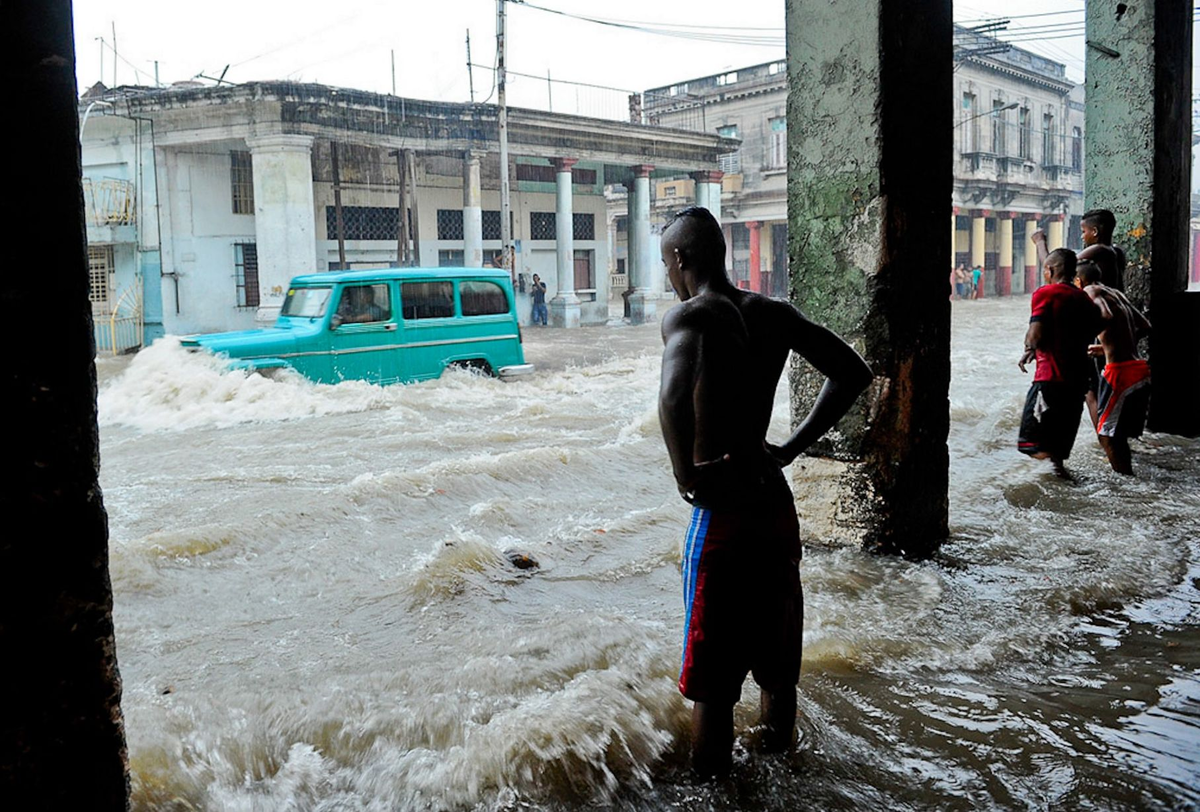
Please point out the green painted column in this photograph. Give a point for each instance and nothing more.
(869, 158)
(1138, 165)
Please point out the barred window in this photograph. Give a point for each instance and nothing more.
(584, 226)
(100, 269)
(241, 180)
(541, 225)
(491, 224)
(449, 224)
(245, 266)
(482, 298)
(427, 300)
(450, 259)
(778, 149)
(364, 222)
(730, 163)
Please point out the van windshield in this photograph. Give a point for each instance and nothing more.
(306, 303)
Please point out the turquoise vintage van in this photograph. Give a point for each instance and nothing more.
(394, 325)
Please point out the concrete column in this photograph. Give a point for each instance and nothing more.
(755, 256)
(712, 179)
(1004, 269)
(63, 733)
(1138, 155)
(1055, 236)
(978, 237)
(979, 247)
(283, 216)
(701, 191)
(871, 265)
(954, 237)
(564, 307)
(1033, 273)
(472, 210)
(642, 301)
(708, 190)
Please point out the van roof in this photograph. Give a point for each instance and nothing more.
(334, 277)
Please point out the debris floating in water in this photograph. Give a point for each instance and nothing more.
(521, 561)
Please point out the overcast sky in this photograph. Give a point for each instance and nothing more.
(349, 43)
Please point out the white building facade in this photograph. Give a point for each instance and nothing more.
(243, 185)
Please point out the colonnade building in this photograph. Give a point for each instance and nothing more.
(1018, 162)
(203, 202)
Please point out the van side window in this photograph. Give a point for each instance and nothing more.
(427, 300)
(482, 298)
(364, 304)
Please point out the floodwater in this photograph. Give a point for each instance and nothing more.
(315, 610)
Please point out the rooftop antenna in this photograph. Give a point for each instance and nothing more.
(114, 50)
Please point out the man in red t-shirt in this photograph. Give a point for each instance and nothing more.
(1061, 326)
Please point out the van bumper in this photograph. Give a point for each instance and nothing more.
(515, 371)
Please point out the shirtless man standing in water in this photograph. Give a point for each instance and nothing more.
(725, 349)
(1124, 390)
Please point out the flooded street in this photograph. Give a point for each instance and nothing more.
(315, 610)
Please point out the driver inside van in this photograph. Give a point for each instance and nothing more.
(358, 306)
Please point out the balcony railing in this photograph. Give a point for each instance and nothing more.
(109, 202)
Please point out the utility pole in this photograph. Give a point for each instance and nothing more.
(506, 249)
(337, 206)
(402, 258)
(550, 91)
(114, 50)
(393, 71)
(156, 82)
(470, 72)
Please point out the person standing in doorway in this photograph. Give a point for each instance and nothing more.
(539, 314)
(724, 351)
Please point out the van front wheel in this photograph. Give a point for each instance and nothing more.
(477, 365)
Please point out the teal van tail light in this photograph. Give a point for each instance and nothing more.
(394, 325)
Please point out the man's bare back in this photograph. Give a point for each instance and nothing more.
(1124, 323)
(724, 351)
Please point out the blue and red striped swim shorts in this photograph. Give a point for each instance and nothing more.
(743, 605)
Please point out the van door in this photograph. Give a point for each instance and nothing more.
(429, 320)
(363, 334)
(488, 321)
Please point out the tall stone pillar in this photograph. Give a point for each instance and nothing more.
(1004, 270)
(283, 216)
(755, 229)
(642, 301)
(1055, 233)
(1138, 165)
(63, 738)
(979, 248)
(954, 237)
(701, 190)
(869, 136)
(564, 307)
(978, 237)
(1033, 273)
(710, 181)
(472, 210)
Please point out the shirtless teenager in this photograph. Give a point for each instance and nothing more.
(724, 351)
(1124, 390)
(1062, 322)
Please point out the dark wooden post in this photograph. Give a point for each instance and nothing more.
(62, 741)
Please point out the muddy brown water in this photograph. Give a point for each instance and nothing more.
(315, 612)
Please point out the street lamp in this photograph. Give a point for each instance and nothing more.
(995, 111)
(87, 112)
